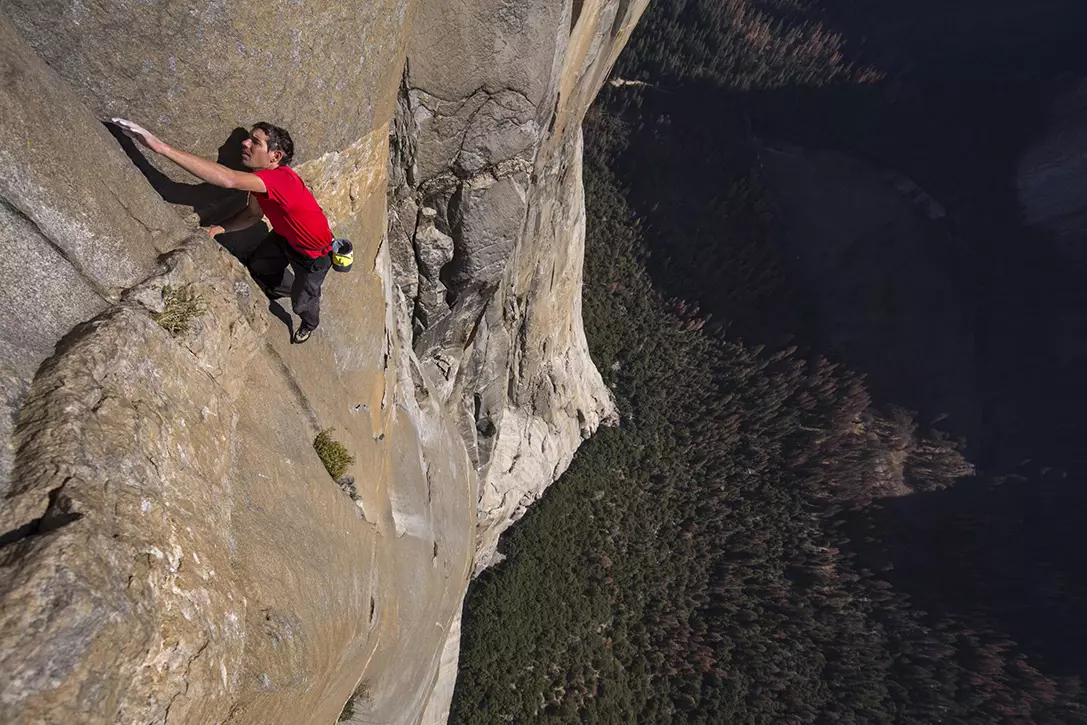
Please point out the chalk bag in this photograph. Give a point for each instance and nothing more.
(343, 255)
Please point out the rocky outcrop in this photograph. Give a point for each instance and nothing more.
(71, 244)
(165, 519)
(487, 226)
(487, 231)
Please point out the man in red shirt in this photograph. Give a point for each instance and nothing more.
(300, 235)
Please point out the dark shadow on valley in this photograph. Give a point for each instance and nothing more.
(984, 321)
(1005, 557)
(980, 316)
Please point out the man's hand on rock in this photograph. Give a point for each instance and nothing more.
(141, 134)
(214, 230)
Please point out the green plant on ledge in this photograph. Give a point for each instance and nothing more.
(332, 453)
(361, 696)
(180, 308)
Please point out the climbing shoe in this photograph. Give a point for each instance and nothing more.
(301, 335)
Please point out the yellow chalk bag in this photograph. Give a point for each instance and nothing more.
(342, 255)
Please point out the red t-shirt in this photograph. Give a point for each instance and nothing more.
(293, 212)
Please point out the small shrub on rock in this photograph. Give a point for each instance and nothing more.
(181, 306)
(333, 454)
(361, 696)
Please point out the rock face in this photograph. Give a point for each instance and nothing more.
(165, 518)
(487, 230)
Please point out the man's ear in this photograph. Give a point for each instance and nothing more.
(277, 156)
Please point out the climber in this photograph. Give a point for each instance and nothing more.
(300, 234)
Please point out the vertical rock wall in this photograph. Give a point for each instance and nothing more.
(164, 518)
(487, 230)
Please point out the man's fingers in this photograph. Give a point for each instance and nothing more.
(131, 129)
(125, 123)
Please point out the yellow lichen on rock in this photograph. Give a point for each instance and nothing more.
(344, 181)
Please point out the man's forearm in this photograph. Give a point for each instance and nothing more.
(242, 220)
(209, 171)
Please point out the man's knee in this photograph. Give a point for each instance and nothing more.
(308, 286)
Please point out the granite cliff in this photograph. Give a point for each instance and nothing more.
(172, 548)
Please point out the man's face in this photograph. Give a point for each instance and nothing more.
(255, 153)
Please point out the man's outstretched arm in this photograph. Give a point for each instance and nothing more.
(205, 169)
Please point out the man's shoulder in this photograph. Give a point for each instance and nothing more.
(283, 179)
(279, 173)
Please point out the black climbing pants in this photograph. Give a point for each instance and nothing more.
(268, 265)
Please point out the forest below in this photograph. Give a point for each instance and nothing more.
(786, 527)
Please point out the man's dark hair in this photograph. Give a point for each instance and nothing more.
(278, 140)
